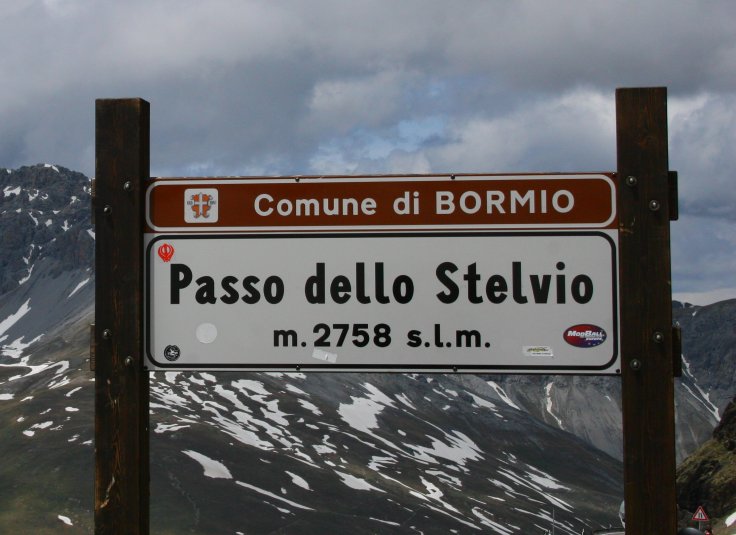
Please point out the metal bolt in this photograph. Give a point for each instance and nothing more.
(298, 368)
(452, 177)
(658, 337)
(128, 361)
(128, 185)
(107, 334)
(654, 205)
(454, 368)
(635, 364)
(631, 181)
(107, 209)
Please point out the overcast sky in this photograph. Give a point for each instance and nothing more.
(243, 87)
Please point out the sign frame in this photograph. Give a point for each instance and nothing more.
(270, 362)
(646, 200)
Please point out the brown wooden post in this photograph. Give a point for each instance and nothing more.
(121, 384)
(646, 312)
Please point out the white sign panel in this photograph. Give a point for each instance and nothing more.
(529, 302)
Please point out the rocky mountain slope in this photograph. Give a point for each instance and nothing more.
(293, 453)
(707, 478)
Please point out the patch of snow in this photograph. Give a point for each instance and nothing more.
(78, 287)
(482, 402)
(731, 519)
(91, 233)
(49, 166)
(63, 518)
(253, 386)
(324, 450)
(362, 413)
(27, 277)
(71, 409)
(65, 226)
(274, 496)
(502, 394)
(212, 468)
(310, 407)
(548, 393)
(164, 428)
(378, 462)
(356, 482)
(502, 530)
(298, 481)
(43, 425)
(384, 521)
(48, 223)
(8, 322)
(450, 480)
(291, 388)
(35, 221)
(545, 480)
(15, 350)
(459, 450)
(8, 191)
(704, 398)
(6, 397)
(405, 400)
(72, 391)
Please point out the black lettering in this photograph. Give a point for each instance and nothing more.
(471, 277)
(314, 288)
(231, 295)
(380, 294)
(273, 289)
(540, 290)
(251, 295)
(452, 293)
(496, 288)
(582, 289)
(206, 292)
(181, 277)
(340, 289)
(414, 338)
(360, 294)
(519, 296)
(404, 296)
(560, 284)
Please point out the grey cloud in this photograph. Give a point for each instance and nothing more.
(261, 87)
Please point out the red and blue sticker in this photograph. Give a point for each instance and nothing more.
(584, 335)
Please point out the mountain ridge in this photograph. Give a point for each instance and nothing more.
(475, 453)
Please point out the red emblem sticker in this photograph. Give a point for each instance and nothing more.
(584, 335)
(166, 252)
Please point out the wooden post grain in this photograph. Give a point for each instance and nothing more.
(121, 384)
(646, 311)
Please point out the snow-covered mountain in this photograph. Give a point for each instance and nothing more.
(295, 453)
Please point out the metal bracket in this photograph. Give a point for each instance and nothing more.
(672, 191)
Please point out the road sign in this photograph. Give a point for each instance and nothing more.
(473, 273)
(700, 515)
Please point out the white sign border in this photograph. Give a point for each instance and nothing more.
(605, 369)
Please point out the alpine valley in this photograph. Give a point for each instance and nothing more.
(330, 453)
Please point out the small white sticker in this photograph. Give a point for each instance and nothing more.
(538, 351)
(206, 333)
(319, 354)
